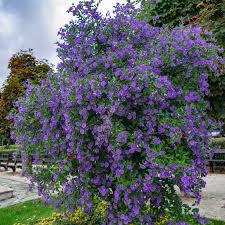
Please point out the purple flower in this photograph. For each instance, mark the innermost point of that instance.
(157, 140)
(102, 190)
(126, 105)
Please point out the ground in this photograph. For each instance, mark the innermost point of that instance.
(212, 204)
(20, 186)
(213, 197)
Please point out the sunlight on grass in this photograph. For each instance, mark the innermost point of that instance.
(21, 213)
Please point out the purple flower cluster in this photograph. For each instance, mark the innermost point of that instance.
(124, 119)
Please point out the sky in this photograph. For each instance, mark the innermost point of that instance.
(34, 24)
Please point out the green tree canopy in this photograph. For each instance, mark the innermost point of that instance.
(212, 16)
(22, 66)
(170, 12)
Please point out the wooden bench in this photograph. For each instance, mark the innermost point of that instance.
(9, 161)
(213, 161)
(4, 160)
(15, 162)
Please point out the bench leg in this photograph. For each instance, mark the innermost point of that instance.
(211, 165)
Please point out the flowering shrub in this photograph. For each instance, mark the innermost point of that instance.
(124, 119)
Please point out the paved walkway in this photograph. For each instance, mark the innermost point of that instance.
(213, 197)
(20, 185)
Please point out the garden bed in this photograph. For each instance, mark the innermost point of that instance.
(32, 212)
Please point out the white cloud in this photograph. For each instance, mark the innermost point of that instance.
(6, 24)
(107, 5)
(34, 24)
(56, 15)
(8, 38)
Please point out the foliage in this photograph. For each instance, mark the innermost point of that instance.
(212, 17)
(219, 141)
(171, 12)
(22, 66)
(7, 152)
(8, 147)
(216, 98)
(216, 222)
(124, 120)
(79, 217)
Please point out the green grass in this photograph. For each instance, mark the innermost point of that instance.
(219, 141)
(4, 147)
(8, 149)
(20, 213)
(216, 222)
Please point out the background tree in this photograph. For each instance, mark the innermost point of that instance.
(208, 13)
(170, 12)
(22, 66)
(212, 17)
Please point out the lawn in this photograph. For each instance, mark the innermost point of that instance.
(215, 222)
(8, 147)
(22, 213)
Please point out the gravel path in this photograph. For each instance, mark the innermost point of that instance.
(20, 185)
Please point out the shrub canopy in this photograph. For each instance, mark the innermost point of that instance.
(210, 14)
(124, 119)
